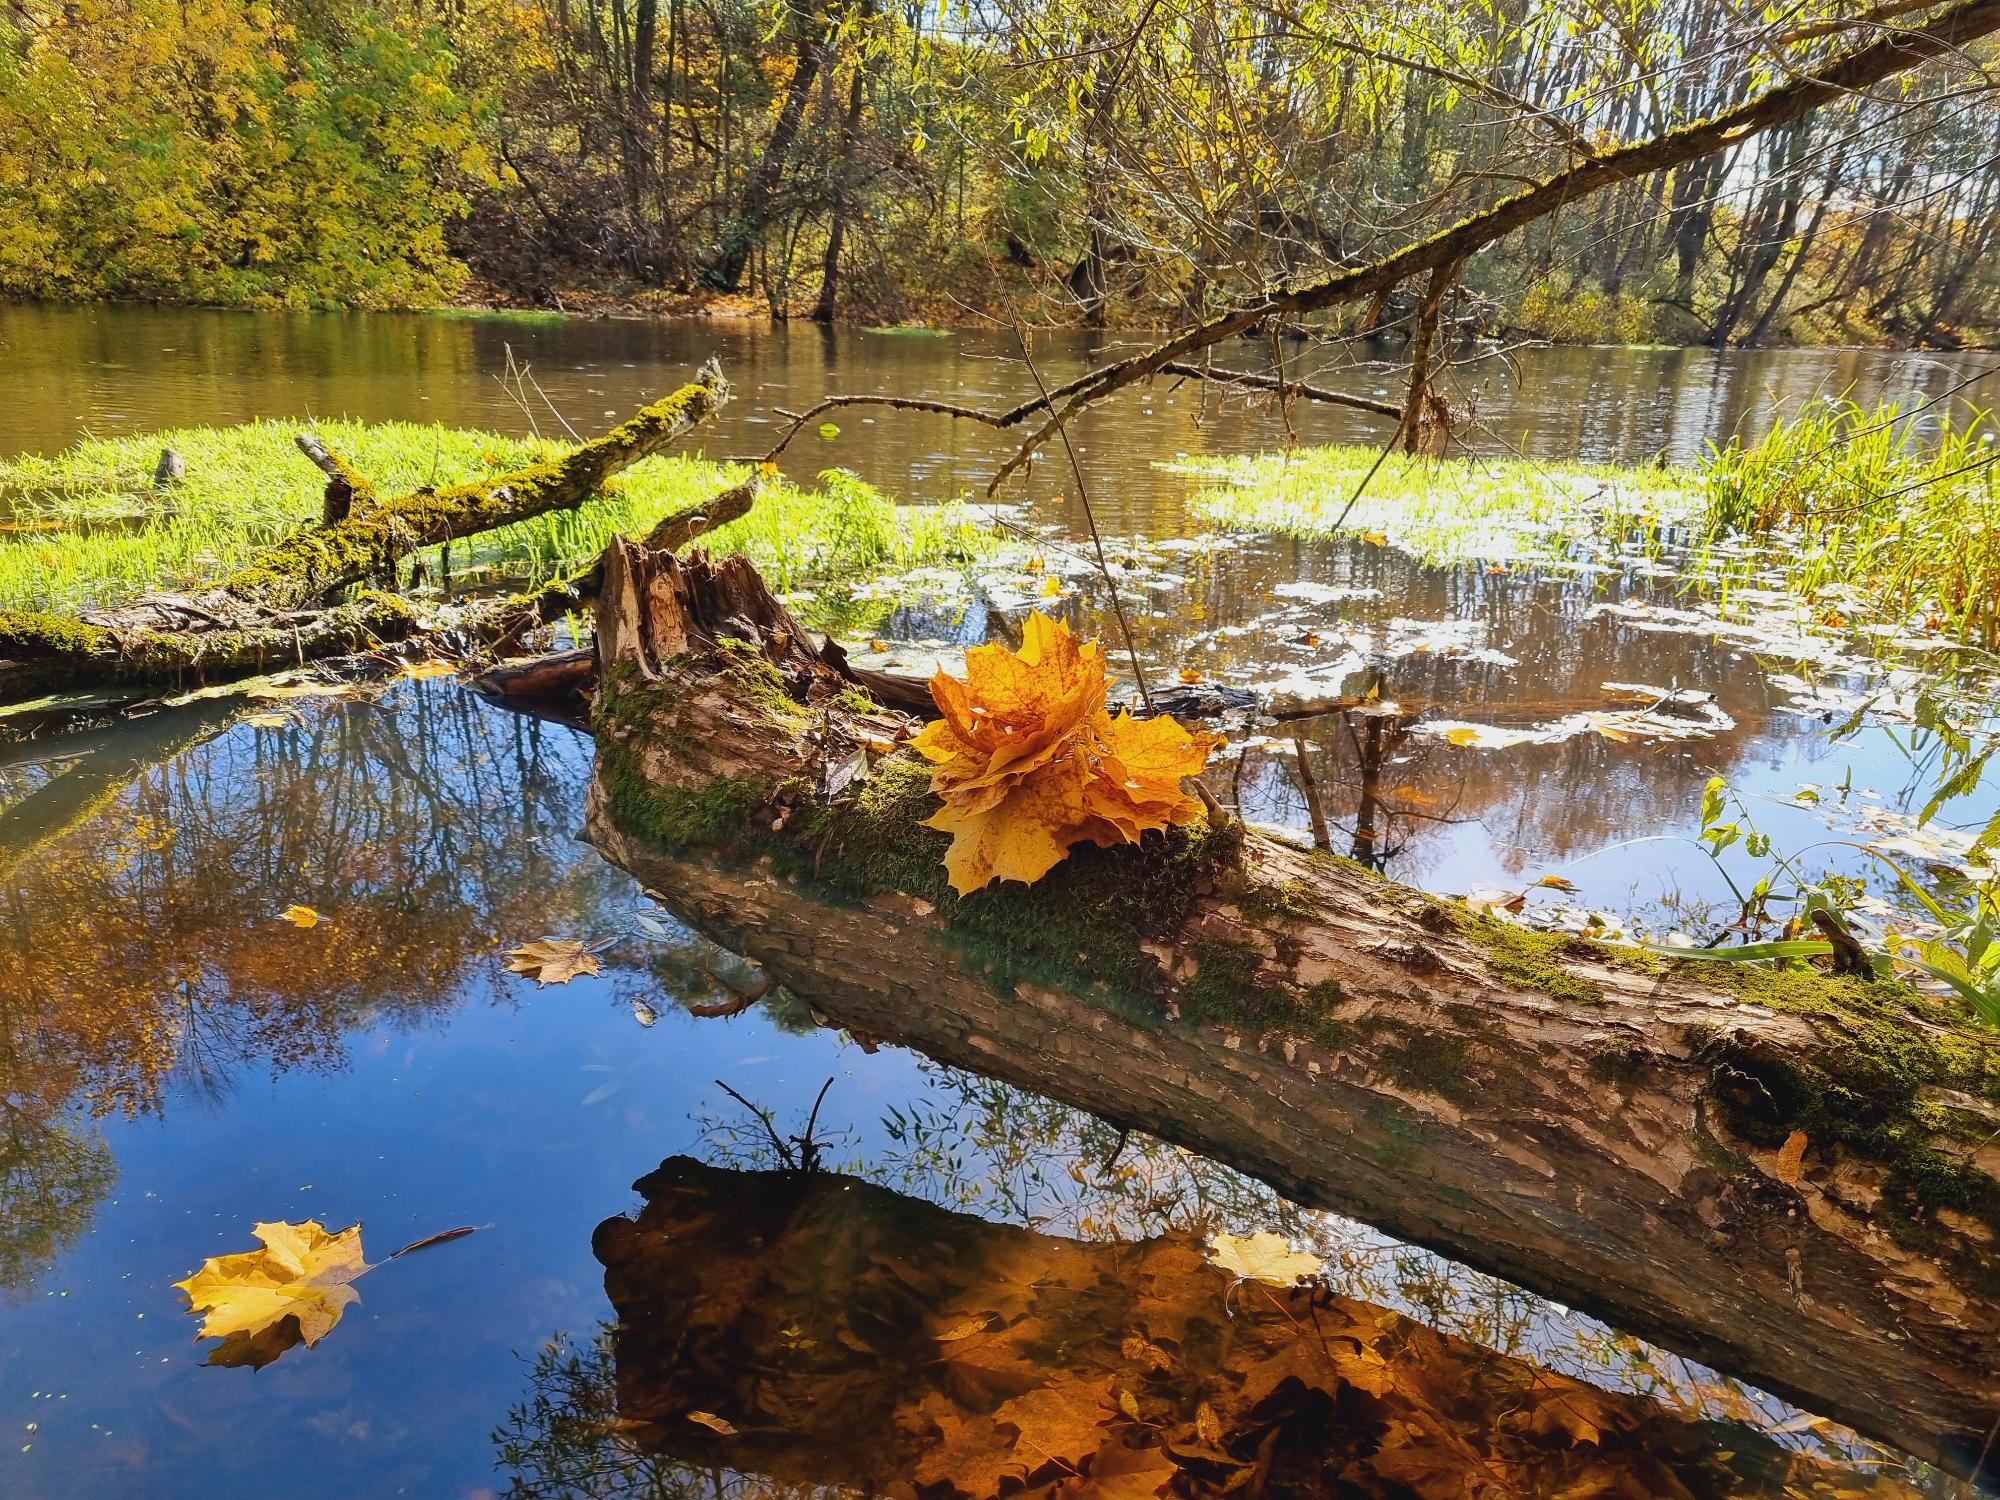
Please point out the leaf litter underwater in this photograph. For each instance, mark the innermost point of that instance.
(482, 1024)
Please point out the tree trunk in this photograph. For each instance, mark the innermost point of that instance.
(746, 226)
(1426, 422)
(1791, 1177)
(843, 196)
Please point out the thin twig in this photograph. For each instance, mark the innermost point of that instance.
(1096, 540)
(1321, 839)
(764, 1118)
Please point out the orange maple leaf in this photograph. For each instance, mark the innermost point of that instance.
(1028, 760)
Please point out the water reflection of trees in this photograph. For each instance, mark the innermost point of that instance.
(144, 953)
(1396, 797)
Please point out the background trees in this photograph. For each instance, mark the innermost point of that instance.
(1090, 160)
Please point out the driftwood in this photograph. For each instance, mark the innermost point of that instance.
(272, 611)
(1793, 1177)
(834, 1335)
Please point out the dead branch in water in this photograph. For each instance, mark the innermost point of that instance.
(274, 611)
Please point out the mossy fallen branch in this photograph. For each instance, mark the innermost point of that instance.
(268, 612)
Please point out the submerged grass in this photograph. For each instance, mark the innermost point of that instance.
(86, 527)
(1890, 510)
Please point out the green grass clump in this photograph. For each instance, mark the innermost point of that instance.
(87, 528)
(1904, 507)
(1441, 511)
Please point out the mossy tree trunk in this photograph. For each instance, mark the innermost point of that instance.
(1604, 1128)
(271, 611)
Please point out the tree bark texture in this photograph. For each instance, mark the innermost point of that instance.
(1791, 1177)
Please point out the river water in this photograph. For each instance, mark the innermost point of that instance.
(181, 1063)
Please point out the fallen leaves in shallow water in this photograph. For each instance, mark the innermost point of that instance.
(1682, 715)
(262, 1302)
(1261, 1257)
(552, 960)
(1029, 761)
(862, 1342)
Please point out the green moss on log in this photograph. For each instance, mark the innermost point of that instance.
(1877, 1087)
(316, 559)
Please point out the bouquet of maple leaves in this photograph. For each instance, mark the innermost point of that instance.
(1029, 761)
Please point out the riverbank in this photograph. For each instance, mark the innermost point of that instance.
(1587, 321)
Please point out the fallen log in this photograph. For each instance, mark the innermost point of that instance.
(268, 612)
(834, 1335)
(1792, 1177)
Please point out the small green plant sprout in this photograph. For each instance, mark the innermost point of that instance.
(1963, 905)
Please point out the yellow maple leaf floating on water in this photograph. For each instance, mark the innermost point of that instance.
(262, 1302)
(552, 961)
(1029, 761)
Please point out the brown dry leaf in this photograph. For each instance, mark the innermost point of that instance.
(1121, 1473)
(1062, 1420)
(1791, 1157)
(1145, 1354)
(432, 668)
(552, 961)
(1029, 762)
(712, 1422)
(262, 1302)
(1206, 1426)
(1129, 1404)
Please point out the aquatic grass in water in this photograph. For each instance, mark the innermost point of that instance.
(93, 530)
(1899, 507)
(1442, 511)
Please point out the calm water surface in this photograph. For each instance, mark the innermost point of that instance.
(178, 1063)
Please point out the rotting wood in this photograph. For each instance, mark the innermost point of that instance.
(345, 485)
(1599, 1126)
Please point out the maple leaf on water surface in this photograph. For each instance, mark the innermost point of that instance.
(262, 1302)
(552, 960)
(1029, 761)
(1261, 1257)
